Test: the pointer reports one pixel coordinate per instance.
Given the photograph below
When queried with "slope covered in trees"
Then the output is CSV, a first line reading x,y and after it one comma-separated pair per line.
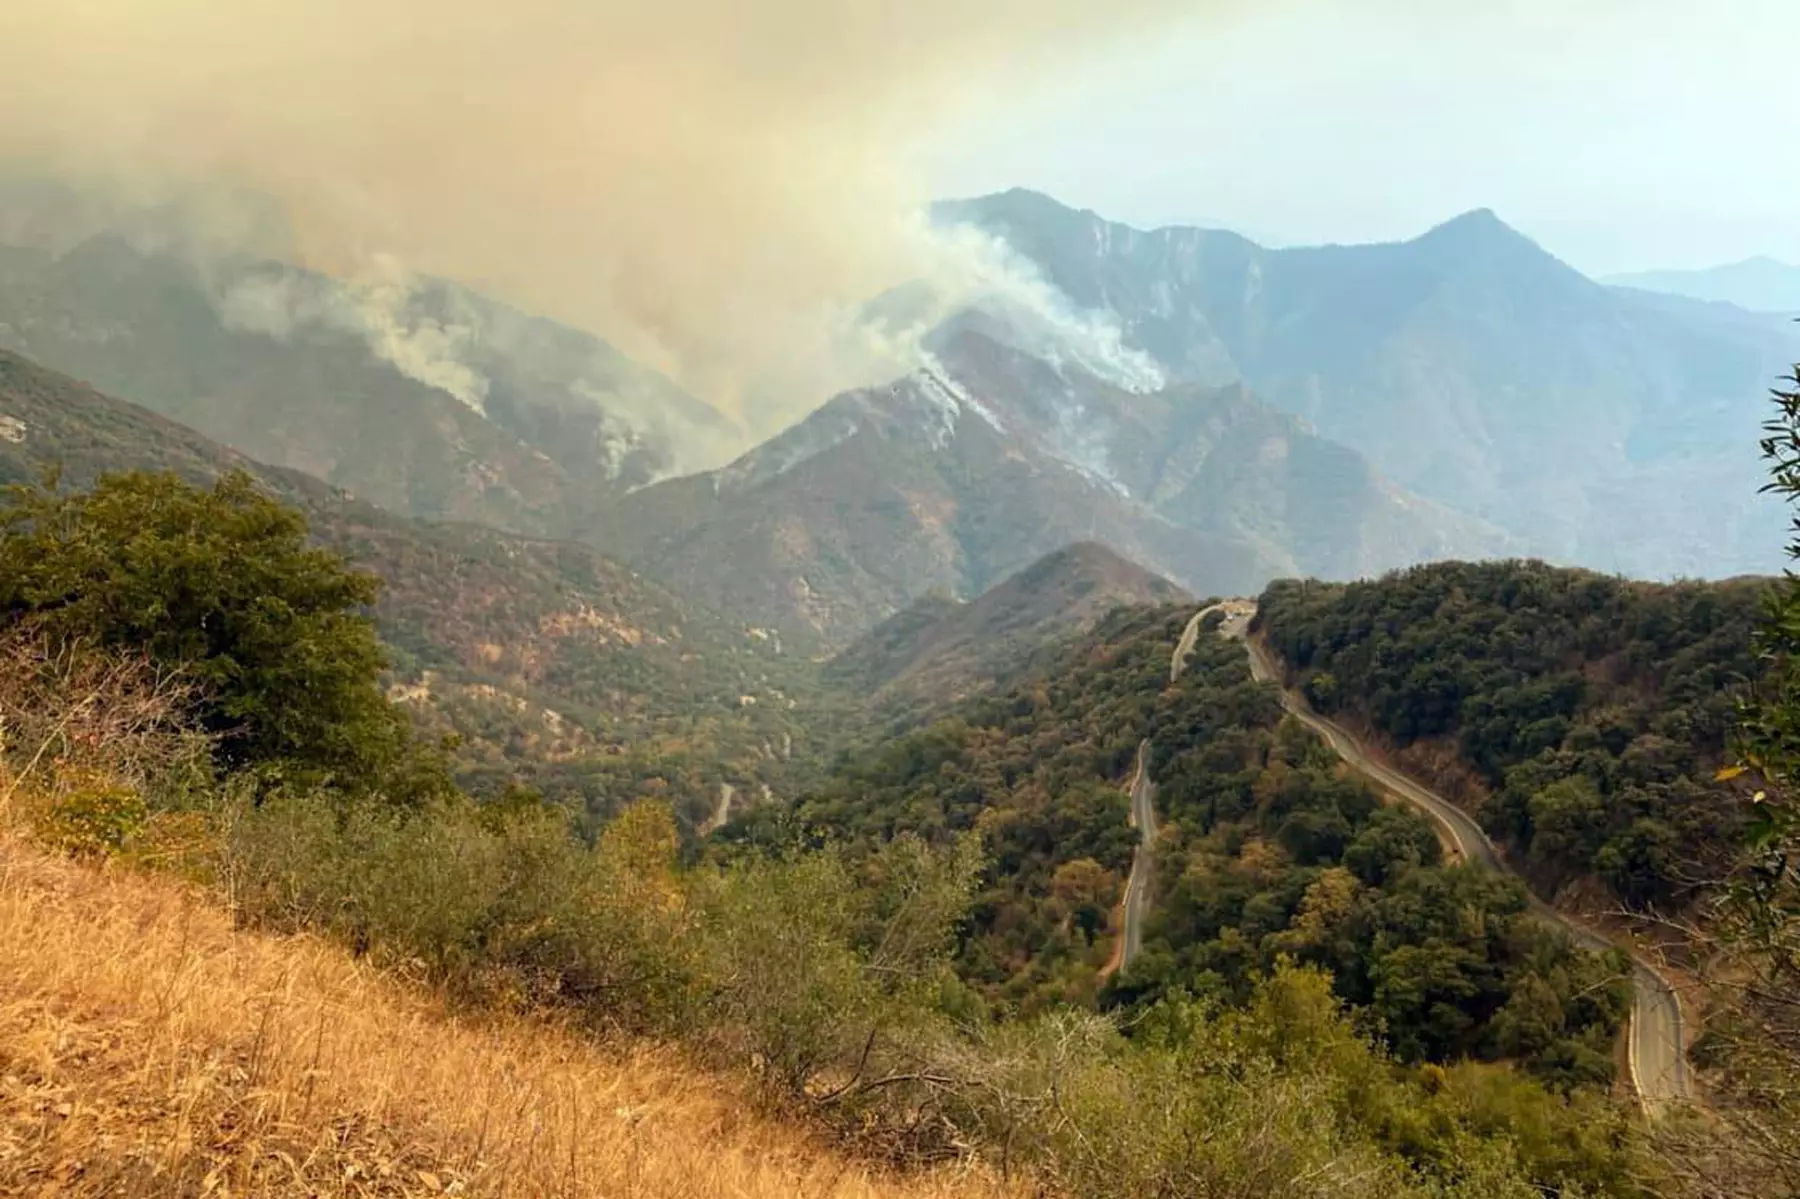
x,y
822,975
1584,715
1266,854
544,659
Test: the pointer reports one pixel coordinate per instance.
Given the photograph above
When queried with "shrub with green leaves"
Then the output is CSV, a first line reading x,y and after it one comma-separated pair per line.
x,y
220,584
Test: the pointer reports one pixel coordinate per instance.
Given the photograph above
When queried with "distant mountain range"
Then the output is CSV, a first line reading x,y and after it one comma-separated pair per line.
x,y
1334,411
424,398
1596,425
1758,284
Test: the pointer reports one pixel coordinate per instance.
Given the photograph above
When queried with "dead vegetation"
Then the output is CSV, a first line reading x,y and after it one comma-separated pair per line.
x,y
148,1047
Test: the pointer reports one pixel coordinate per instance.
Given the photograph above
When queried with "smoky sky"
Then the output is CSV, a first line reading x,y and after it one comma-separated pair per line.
x,y
1622,134
706,183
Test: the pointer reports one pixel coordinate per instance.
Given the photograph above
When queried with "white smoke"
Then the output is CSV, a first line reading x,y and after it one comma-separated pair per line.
x,y
988,274
961,267
380,308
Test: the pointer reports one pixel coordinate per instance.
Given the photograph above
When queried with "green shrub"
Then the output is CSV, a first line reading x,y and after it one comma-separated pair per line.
x,y
97,818
220,585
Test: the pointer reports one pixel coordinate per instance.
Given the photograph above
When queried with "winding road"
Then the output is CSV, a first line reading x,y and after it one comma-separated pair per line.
x,y
722,813
1657,1062
1143,812
1137,886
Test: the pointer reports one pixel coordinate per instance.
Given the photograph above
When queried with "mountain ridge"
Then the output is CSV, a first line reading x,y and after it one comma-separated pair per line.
x,y
944,648
546,657
961,474
418,395
1471,366
1758,284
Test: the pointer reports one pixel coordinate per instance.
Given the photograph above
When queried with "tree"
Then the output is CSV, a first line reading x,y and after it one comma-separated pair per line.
x,y
219,584
1769,731
1753,1036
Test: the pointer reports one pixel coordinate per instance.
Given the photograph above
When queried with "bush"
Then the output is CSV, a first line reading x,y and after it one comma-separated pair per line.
x,y
219,585
94,819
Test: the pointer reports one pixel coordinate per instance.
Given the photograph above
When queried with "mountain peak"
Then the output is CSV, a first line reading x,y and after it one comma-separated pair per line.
x,y
1478,226
938,646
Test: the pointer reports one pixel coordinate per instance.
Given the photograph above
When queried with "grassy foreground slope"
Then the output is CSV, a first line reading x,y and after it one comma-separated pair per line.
x,y
148,1047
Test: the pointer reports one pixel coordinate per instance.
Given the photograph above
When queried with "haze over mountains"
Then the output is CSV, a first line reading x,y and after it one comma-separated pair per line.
x,y
1220,413
536,652
1600,426
957,477
420,396
1759,284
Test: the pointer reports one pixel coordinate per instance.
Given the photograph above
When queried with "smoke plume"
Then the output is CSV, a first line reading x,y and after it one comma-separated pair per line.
x,y
713,185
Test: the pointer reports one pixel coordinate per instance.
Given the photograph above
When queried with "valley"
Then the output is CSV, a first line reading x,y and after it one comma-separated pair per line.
x,y
906,762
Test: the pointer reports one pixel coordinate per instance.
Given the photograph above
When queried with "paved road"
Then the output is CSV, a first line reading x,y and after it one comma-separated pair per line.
x,y
1143,811
722,813
1658,1064
1189,636
1137,886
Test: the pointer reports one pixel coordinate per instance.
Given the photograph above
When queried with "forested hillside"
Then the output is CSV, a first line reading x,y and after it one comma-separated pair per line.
x,y
210,687
939,649
547,660
1266,853
1582,716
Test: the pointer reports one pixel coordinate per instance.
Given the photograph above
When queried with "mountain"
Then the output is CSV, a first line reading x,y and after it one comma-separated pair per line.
x,y
965,472
943,648
1612,428
420,396
1759,284
546,657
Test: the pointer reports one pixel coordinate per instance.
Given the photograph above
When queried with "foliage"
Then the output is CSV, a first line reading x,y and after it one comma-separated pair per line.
x,y
1591,711
219,585
1036,769
826,974
1768,735
544,660
1264,854
1752,1041
1282,1096
97,819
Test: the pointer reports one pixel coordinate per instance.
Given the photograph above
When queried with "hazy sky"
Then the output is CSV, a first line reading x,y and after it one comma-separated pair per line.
x,y
717,185
1622,134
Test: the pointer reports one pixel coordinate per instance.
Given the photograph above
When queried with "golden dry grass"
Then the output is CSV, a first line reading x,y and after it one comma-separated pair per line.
x,y
149,1048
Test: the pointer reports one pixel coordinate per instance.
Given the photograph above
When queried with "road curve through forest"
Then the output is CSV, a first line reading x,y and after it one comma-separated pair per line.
x,y
1143,812
1137,885
722,813
1658,1065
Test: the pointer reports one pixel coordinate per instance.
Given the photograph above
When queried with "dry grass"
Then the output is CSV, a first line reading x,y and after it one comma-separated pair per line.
x,y
149,1048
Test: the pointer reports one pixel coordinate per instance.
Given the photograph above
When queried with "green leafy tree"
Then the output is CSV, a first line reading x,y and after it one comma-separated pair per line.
x,y
220,585
1753,1038
1769,734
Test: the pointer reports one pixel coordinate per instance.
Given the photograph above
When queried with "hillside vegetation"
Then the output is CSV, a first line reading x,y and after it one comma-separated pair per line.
x,y
1265,855
152,1048
1582,716
544,659
821,975
939,649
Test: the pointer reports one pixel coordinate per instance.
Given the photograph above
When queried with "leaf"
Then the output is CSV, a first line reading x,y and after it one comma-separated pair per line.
x,y
1728,773
1759,830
